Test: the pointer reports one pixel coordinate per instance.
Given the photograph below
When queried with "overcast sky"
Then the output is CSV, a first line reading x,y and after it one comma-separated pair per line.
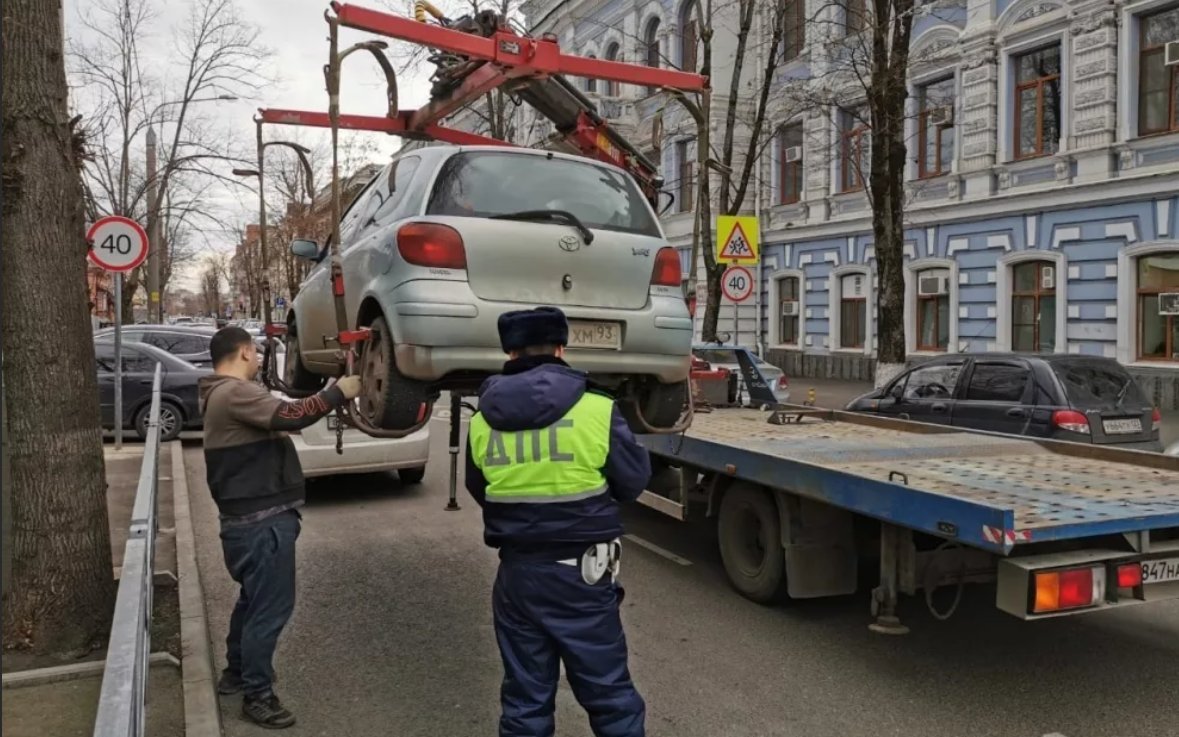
x,y
296,32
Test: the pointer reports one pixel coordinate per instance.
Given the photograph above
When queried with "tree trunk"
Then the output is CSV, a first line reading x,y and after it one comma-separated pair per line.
x,y
62,591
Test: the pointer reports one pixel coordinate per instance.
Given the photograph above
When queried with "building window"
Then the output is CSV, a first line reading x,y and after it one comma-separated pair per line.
x,y
1033,307
933,309
685,165
591,84
855,16
1037,103
1158,306
935,134
1158,84
689,36
794,36
789,310
613,53
854,150
853,310
790,164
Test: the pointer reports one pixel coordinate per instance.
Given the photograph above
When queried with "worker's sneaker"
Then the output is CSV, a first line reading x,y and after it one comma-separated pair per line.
x,y
267,712
230,683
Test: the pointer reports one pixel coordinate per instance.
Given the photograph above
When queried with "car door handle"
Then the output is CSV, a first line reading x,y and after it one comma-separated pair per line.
x,y
938,407
1017,412
149,382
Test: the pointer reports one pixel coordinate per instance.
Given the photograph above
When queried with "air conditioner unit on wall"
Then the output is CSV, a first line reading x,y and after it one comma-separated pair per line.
x,y
930,286
943,115
1171,53
1048,277
792,154
790,309
1169,303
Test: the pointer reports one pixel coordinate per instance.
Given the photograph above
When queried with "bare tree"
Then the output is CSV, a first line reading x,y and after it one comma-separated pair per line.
x,y
61,594
213,276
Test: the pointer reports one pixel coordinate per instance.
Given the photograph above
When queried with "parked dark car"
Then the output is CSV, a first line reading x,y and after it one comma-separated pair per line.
x,y
1086,399
187,342
178,389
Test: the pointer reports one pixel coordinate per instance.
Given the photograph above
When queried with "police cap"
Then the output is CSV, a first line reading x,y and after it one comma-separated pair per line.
x,y
522,329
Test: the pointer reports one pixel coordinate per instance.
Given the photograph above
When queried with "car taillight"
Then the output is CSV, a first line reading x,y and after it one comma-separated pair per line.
x,y
1068,589
1071,420
783,382
667,268
431,244
1156,420
1129,575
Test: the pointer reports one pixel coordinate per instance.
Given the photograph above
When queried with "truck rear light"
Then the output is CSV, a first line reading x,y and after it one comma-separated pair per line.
x,y
667,268
1129,575
1071,588
1156,420
1071,420
431,244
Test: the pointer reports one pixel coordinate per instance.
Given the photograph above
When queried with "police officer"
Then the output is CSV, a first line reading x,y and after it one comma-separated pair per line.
x,y
549,460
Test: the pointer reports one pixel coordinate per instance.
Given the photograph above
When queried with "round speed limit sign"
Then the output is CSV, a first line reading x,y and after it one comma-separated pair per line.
x,y
117,243
737,284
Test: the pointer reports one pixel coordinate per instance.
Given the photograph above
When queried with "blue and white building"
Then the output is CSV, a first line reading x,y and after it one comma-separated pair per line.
x,y
1043,176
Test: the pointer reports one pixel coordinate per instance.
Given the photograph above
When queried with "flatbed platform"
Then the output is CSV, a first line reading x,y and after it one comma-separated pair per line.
x,y
983,489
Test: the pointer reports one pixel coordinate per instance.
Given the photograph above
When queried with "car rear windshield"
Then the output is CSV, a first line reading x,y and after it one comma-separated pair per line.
x,y
1091,384
486,183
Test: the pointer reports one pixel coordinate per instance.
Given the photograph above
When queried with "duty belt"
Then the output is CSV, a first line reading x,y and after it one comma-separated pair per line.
x,y
597,560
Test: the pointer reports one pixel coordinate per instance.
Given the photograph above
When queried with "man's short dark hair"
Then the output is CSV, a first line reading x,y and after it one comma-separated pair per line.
x,y
228,341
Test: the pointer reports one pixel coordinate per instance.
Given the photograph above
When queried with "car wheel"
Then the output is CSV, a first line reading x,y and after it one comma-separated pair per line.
x,y
387,399
295,374
750,541
661,405
171,421
411,475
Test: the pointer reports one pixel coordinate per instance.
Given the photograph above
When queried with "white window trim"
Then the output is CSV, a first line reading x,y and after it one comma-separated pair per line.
x,y
1005,285
1127,346
1056,32
911,269
775,148
913,123
834,316
1128,36
775,317
835,130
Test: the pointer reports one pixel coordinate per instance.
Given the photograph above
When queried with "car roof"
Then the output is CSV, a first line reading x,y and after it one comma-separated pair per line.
x,y
157,328
160,354
1046,357
447,150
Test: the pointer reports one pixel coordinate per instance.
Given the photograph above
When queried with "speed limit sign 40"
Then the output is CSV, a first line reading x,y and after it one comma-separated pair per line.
x,y
117,243
737,284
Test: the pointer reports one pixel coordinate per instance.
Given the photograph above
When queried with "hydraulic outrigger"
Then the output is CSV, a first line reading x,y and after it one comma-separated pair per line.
x,y
473,55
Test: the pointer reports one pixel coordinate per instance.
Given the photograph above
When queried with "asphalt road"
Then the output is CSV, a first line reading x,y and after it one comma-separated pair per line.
x,y
392,636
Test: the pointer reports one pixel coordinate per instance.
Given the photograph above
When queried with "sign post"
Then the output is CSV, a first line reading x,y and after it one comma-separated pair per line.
x,y
117,244
737,287
736,244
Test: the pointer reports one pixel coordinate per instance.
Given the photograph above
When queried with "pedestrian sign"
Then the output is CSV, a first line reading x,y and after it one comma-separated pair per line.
x,y
737,239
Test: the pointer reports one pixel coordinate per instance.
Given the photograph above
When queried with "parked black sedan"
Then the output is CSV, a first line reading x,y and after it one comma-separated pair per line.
x,y
178,389
1086,399
187,342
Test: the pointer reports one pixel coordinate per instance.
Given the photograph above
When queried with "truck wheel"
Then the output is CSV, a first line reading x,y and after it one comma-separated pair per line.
x,y
661,404
389,400
751,544
295,374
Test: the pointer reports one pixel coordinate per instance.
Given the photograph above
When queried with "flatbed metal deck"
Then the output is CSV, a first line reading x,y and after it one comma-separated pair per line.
x,y
987,490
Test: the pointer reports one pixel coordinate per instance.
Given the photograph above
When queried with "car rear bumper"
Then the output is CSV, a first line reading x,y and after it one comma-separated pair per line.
x,y
1154,446
362,454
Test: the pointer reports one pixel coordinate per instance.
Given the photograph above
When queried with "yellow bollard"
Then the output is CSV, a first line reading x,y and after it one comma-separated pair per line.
x,y
810,396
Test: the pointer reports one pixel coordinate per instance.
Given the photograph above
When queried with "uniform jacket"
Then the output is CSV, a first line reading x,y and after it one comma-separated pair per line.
x,y
533,393
250,463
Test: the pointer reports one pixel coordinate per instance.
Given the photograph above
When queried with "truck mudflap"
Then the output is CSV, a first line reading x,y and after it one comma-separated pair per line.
x,y
1074,582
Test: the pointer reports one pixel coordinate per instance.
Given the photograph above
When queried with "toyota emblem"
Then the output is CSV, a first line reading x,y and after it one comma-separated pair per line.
x,y
569,243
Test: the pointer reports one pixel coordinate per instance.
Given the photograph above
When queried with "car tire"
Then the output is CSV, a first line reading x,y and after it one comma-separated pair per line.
x,y
171,421
411,475
661,405
387,399
750,540
295,374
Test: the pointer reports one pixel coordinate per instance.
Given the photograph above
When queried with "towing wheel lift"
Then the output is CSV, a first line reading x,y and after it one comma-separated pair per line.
x,y
473,55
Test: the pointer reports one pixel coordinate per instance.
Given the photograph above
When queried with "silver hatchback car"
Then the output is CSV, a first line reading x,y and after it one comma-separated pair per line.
x,y
446,238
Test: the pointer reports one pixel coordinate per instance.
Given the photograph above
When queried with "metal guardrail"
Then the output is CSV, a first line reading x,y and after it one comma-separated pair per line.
x,y
121,710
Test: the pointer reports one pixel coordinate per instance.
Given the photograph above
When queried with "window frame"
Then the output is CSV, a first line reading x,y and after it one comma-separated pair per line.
x,y
1037,294
855,16
920,299
780,322
1141,51
794,36
791,169
689,38
651,51
851,178
1038,84
686,174
1170,354
613,53
923,111
837,302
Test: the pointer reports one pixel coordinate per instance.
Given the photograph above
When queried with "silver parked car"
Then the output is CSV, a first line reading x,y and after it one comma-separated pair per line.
x,y
446,238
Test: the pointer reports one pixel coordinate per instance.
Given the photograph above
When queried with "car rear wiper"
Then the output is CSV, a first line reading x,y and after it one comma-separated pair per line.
x,y
565,215
1122,392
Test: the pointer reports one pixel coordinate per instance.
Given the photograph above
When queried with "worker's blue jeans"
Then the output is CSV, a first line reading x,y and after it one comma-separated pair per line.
x,y
546,614
261,558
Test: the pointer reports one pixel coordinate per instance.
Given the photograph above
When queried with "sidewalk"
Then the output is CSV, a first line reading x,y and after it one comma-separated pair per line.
x,y
49,698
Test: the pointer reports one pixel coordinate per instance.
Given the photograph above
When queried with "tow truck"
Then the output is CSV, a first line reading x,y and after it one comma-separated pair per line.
x,y
801,495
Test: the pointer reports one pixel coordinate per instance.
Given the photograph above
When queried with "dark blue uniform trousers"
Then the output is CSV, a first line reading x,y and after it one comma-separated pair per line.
x,y
545,613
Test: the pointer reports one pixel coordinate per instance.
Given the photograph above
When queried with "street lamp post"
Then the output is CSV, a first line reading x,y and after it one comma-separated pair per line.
x,y
155,195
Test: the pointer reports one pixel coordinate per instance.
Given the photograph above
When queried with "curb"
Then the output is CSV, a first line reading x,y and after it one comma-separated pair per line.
x,y
202,712
73,671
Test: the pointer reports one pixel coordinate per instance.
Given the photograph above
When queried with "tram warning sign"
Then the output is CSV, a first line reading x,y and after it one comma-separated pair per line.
x,y
737,239
117,243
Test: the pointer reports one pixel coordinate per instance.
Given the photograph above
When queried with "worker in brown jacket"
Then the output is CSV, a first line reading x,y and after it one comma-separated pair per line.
x,y
256,480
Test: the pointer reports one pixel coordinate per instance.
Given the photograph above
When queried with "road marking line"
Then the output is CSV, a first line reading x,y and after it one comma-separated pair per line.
x,y
657,550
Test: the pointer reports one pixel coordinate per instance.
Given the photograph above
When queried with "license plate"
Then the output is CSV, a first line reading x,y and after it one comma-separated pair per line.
x,y
333,422
1122,427
586,334
1159,571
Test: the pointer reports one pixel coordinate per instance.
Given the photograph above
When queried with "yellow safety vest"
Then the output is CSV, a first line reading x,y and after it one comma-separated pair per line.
x,y
559,463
